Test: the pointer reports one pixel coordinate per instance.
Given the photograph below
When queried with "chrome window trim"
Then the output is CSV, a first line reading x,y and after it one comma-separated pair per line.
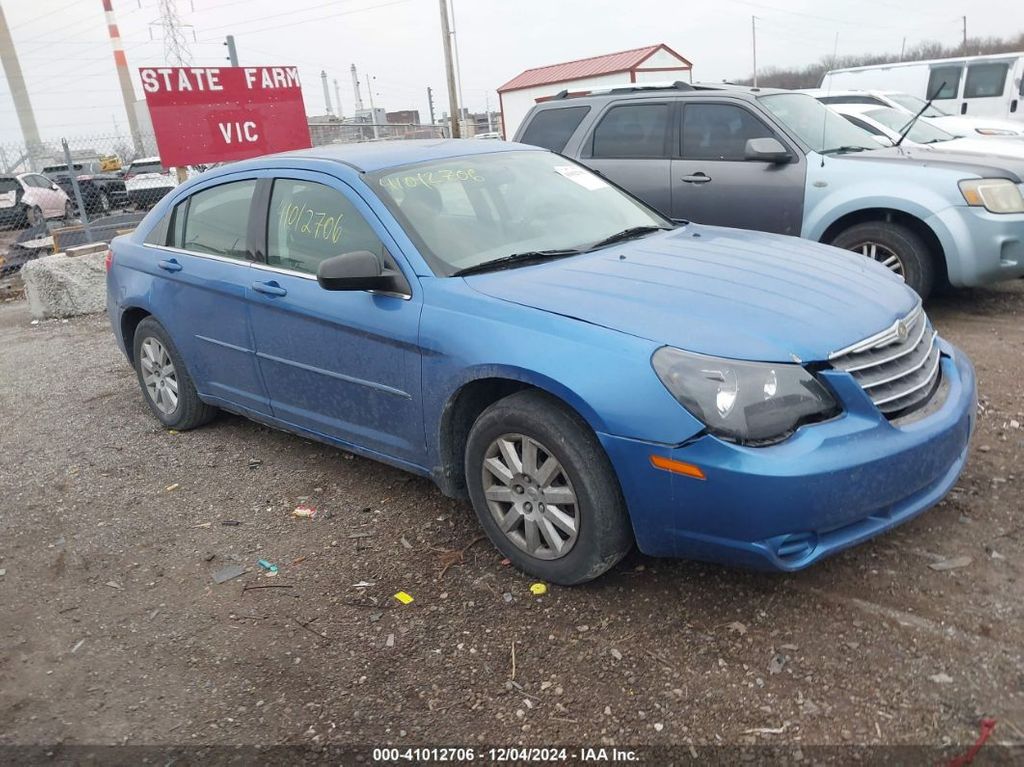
x,y
211,256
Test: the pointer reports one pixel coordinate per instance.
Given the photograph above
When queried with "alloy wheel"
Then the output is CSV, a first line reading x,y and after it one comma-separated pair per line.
x,y
159,376
530,496
886,256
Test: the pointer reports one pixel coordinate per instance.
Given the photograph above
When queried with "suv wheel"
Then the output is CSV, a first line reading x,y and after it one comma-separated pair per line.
x,y
896,247
544,490
34,216
165,381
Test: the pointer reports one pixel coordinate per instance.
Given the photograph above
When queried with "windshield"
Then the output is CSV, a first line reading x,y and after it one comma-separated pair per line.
x,y
921,132
146,167
817,126
8,185
464,211
915,105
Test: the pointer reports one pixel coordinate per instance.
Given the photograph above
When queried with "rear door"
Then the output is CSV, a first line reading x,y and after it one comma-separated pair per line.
x,y
203,260
345,364
713,183
630,145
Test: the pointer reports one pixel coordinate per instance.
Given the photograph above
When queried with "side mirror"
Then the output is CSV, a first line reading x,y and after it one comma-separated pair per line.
x,y
53,186
357,270
766,150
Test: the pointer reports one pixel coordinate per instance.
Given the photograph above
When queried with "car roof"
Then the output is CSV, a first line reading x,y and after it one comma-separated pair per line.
x,y
146,160
379,155
677,89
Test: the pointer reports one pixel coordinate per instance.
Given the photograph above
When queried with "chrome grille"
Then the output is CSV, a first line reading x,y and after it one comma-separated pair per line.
x,y
899,367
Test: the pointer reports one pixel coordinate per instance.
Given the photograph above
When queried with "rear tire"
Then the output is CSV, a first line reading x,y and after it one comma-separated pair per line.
x,y
897,247
592,528
34,216
166,384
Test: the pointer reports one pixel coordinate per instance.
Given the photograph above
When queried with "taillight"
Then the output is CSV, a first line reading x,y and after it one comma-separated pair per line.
x,y
108,261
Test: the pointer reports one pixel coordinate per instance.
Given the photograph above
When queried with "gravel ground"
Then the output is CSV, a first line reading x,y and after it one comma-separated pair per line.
x,y
113,630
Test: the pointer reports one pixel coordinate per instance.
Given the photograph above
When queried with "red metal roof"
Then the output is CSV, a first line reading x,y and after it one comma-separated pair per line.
x,y
610,63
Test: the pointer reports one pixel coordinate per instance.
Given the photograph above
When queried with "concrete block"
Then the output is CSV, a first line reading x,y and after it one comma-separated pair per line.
x,y
59,286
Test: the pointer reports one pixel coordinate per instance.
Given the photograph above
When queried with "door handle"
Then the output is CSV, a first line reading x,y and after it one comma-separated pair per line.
x,y
169,265
963,108
269,289
697,178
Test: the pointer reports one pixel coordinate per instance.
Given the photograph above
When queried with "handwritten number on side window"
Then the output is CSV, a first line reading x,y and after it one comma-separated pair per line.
x,y
315,224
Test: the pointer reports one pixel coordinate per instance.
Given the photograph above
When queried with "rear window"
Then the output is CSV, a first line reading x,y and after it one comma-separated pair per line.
x,y
632,130
985,80
944,82
851,100
8,185
146,167
552,128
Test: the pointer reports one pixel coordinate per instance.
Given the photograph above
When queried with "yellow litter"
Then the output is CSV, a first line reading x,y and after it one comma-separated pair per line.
x,y
404,598
538,589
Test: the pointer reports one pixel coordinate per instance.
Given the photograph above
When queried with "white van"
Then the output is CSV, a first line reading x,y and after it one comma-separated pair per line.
x,y
971,85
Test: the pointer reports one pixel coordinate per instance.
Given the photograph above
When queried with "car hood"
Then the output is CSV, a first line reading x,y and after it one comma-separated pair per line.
x,y
712,290
1009,147
984,166
967,126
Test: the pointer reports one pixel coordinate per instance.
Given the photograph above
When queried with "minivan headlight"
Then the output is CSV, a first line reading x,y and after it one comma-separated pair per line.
x,y
745,402
996,195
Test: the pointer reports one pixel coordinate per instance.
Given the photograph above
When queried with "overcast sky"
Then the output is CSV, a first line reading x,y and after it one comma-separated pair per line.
x,y
66,55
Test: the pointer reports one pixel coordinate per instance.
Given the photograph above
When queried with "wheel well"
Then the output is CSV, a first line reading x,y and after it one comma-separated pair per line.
x,y
888,215
457,419
129,322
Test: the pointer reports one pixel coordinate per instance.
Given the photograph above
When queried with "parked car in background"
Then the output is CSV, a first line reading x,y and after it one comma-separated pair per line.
x,y
102,191
989,86
967,126
589,373
28,199
890,124
781,161
147,181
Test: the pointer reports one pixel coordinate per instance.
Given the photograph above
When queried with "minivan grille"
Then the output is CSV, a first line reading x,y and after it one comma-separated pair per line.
x,y
899,367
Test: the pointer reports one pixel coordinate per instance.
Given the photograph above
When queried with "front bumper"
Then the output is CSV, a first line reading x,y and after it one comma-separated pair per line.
x,y
980,247
828,487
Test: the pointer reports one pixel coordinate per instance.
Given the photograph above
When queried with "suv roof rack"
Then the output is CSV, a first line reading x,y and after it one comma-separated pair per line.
x,y
678,85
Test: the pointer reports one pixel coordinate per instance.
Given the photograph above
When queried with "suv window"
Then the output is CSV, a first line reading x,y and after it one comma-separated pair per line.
x,y
851,100
310,222
552,128
985,80
215,220
718,131
948,75
632,130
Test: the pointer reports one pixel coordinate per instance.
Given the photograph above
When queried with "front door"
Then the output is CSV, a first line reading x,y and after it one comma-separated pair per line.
x,y
713,183
344,364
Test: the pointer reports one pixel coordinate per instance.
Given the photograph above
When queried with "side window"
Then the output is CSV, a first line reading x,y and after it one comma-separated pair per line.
x,y
552,128
215,220
310,222
632,130
158,234
985,80
719,131
948,75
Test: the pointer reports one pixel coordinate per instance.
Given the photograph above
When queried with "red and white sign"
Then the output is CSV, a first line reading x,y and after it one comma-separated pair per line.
x,y
220,114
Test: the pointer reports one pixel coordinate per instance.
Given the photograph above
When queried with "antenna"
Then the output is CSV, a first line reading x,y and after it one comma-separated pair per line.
x,y
828,91
176,49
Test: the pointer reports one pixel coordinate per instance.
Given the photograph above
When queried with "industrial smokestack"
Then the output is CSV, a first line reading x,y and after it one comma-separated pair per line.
x,y
19,93
327,92
127,89
337,97
355,88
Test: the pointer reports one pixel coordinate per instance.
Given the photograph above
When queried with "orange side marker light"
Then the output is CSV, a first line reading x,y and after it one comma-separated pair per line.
x,y
677,467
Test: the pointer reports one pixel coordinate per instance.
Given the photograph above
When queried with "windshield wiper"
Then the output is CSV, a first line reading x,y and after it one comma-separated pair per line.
x,y
517,259
629,234
843,149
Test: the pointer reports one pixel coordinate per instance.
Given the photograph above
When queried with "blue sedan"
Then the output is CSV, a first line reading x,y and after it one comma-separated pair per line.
x,y
590,374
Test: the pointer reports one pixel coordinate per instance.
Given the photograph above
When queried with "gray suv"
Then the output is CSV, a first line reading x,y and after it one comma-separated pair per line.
x,y
779,161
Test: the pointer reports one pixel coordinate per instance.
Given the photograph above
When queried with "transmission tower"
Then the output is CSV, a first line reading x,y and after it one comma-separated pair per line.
x,y
175,34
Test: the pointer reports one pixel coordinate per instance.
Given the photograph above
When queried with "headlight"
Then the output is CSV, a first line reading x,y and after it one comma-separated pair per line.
x,y
746,402
996,195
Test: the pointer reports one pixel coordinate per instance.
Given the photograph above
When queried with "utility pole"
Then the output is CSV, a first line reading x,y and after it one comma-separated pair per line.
x,y
124,78
965,35
19,93
176,50
430,101
453,101
229,41
903,48
458,66
753,37
487,106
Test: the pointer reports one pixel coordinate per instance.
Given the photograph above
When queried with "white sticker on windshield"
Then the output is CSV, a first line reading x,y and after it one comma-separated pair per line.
x,y
584,178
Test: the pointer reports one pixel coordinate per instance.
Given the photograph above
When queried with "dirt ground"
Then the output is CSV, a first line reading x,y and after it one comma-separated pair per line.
x,y
114,632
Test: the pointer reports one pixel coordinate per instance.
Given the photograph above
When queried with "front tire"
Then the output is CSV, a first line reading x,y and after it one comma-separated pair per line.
x,y
166,384
896,247
544,490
